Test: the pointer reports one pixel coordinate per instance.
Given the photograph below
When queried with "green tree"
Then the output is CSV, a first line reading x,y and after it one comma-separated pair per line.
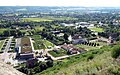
x,y
66,36
49,63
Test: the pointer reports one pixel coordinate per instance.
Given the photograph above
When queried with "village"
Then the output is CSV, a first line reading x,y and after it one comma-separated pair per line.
x,y
52,42
29,49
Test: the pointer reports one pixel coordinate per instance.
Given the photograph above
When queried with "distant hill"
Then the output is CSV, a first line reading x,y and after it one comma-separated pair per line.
x,y
14,9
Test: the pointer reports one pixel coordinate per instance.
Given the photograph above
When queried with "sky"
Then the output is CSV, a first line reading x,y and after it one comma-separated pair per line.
x,y
85,3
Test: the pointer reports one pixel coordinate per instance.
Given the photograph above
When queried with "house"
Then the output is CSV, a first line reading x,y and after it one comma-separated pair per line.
x,y
60,34
111,39
84,24
65,25
100,23
72,50
25,56
55,32
77,39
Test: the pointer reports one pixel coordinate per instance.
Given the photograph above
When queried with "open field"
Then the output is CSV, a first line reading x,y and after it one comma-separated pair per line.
x,y
86,47
25,45
58,53
96,29
35,19
1,44
37,28
60,18
47,19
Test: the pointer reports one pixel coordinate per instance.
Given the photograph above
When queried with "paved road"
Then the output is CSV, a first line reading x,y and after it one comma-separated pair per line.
x,y
32,44
8,44
18,42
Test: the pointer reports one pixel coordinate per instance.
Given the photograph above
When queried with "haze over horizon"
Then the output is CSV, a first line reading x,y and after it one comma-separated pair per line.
x,y
84,3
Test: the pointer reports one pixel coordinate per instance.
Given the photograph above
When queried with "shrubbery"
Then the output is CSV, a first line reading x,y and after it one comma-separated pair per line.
x,y
115,52
38,67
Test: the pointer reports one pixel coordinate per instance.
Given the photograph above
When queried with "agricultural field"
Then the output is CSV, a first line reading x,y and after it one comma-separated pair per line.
x,y
60,18
25,45
35,19
58,53
47,19
96,29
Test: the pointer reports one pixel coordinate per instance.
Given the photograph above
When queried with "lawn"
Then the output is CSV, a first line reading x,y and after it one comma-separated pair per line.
x,y
1,44
2,30
35,19
86,47
38,43
38,28
58,53
96,29
23,31
48,43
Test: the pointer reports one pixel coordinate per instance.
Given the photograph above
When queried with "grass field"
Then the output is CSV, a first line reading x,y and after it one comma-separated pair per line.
x,y
38,43
60,18
47,18
35,19
1,44
37,28
58,53
86,47
101,43
102,62
23,31
47,43
2,30
96,29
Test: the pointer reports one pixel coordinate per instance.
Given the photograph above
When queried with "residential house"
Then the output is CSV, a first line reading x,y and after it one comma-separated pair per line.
x,y
77,39
71,49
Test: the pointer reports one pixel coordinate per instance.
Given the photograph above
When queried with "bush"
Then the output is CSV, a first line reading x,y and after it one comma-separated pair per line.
x,y
90,57
115,51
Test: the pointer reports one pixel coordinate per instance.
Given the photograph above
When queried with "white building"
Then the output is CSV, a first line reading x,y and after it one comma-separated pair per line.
x,y
84,24
64,24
